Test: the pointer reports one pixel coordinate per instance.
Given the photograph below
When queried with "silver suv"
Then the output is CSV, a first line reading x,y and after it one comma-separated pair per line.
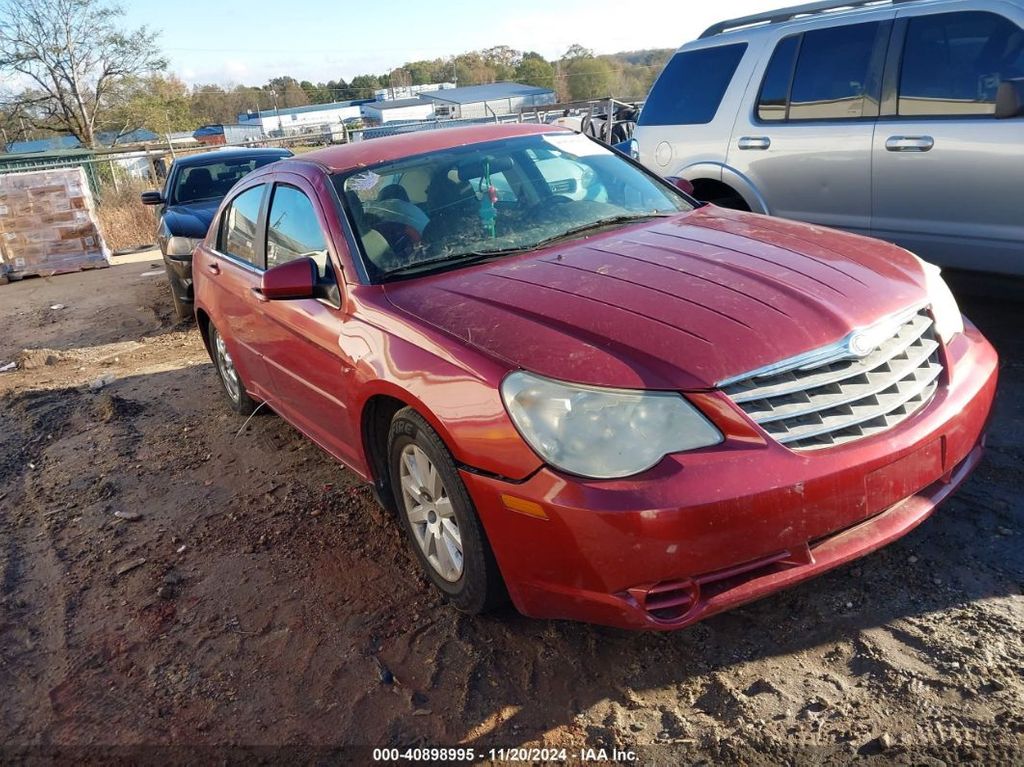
x,y
903,120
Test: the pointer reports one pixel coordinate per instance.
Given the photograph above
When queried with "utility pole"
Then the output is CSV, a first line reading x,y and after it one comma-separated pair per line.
x,y
277,112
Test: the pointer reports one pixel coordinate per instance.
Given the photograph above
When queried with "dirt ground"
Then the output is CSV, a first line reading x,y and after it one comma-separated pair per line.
x,y
170,577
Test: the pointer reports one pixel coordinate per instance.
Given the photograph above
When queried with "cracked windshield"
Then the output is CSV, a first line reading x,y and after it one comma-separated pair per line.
x,y
468,204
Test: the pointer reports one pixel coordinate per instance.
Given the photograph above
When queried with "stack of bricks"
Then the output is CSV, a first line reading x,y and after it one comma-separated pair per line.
x,y
48,224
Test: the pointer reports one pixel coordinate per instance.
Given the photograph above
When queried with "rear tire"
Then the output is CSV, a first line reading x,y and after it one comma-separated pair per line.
x,y
240,401
439,517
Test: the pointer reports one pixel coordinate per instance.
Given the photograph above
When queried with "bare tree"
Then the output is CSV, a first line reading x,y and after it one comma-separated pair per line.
x,y
70,56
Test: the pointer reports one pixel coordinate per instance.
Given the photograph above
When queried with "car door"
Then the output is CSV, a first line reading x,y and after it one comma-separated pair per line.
x,y
806,143
947,173
234,270
300,342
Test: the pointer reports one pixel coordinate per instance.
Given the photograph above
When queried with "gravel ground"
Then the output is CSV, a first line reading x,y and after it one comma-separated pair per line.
x,y
172,576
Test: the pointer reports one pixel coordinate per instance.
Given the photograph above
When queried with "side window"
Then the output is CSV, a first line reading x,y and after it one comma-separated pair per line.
x,y
953,63
293,230
831,78
690,89
772,103
238,226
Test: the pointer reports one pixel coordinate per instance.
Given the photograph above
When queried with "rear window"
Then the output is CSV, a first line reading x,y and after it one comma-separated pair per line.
x,y
824,74
953,63
831,78
690,89
773,102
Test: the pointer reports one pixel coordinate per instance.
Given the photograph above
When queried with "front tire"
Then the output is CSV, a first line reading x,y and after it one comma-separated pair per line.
x,y
439,517
182,311
240,401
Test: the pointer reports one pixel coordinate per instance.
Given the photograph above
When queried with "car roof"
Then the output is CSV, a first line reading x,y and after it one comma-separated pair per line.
x,y
207,158
372,151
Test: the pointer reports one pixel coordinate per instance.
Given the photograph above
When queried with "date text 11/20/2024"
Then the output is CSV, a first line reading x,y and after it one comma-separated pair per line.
x,y
516,754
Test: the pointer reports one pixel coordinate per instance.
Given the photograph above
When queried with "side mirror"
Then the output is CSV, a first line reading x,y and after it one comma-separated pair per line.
x,y
682,184
152,198
294,279
1010,99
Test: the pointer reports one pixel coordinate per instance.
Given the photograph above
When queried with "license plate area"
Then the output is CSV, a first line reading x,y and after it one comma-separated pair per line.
x,y
904,476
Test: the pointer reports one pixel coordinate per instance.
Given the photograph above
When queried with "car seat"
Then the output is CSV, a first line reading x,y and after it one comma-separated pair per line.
x,y
198,185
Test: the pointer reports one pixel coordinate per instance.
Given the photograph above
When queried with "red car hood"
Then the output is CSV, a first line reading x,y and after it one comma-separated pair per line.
x,y
678,303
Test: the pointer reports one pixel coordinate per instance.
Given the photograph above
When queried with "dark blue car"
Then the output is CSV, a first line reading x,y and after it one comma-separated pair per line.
x,y
194,188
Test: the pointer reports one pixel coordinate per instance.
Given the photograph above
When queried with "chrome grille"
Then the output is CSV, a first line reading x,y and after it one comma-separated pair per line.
x,y
831,395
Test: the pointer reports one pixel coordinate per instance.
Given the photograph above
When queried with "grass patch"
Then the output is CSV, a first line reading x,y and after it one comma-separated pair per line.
x,y
125,222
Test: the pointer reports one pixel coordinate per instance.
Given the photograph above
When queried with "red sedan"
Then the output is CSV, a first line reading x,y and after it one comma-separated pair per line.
x,y
577,387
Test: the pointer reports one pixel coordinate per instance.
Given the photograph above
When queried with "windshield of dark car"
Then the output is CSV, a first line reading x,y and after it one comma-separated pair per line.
x,y
500,196
212,180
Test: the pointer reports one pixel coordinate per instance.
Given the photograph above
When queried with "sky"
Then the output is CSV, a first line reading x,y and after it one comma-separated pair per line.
x,y
229,42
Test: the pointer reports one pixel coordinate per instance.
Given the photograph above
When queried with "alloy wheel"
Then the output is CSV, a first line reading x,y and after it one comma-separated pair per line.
x,y
430,513
227,370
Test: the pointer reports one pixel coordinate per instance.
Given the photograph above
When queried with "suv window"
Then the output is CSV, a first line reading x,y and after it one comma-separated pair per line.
x,y
831,77
953,63
293,230
238,225
774,98
691,88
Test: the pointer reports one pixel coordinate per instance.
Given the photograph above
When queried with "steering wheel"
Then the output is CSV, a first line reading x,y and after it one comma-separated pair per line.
x,y
401,238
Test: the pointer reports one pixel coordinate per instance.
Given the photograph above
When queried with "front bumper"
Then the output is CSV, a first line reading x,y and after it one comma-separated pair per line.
x,y
179,273
710,530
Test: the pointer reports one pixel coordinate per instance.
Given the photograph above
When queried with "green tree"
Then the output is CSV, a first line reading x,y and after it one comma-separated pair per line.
x,y
588,78
535,71
319,93
158,103
286,92
363,86
577,51
473,69
502,61
425,72
76,57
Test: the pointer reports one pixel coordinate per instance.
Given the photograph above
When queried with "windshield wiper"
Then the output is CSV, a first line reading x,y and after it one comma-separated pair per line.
x,y
461,259
599,224
476,256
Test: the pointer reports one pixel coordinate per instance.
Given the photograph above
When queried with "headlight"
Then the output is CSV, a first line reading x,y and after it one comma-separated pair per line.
x,y
948,320
182,246
602,433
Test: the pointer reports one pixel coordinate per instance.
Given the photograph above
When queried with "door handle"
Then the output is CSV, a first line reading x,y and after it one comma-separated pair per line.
x,y
259,295
754,142
909,143
213,267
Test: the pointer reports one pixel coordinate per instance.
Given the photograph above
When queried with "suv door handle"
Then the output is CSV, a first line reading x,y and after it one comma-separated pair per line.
x,y
754,142
909,143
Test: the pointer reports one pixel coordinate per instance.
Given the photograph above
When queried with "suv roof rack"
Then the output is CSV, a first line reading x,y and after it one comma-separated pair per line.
x,y
786,14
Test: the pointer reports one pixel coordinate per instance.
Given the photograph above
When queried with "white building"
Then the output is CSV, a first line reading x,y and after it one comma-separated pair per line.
x,y
487,100
276,122
408,91
381,112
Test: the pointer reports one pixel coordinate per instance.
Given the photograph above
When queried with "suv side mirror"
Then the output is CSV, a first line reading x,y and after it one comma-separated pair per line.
x,y
152,198
1010,99
682,184
293,279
